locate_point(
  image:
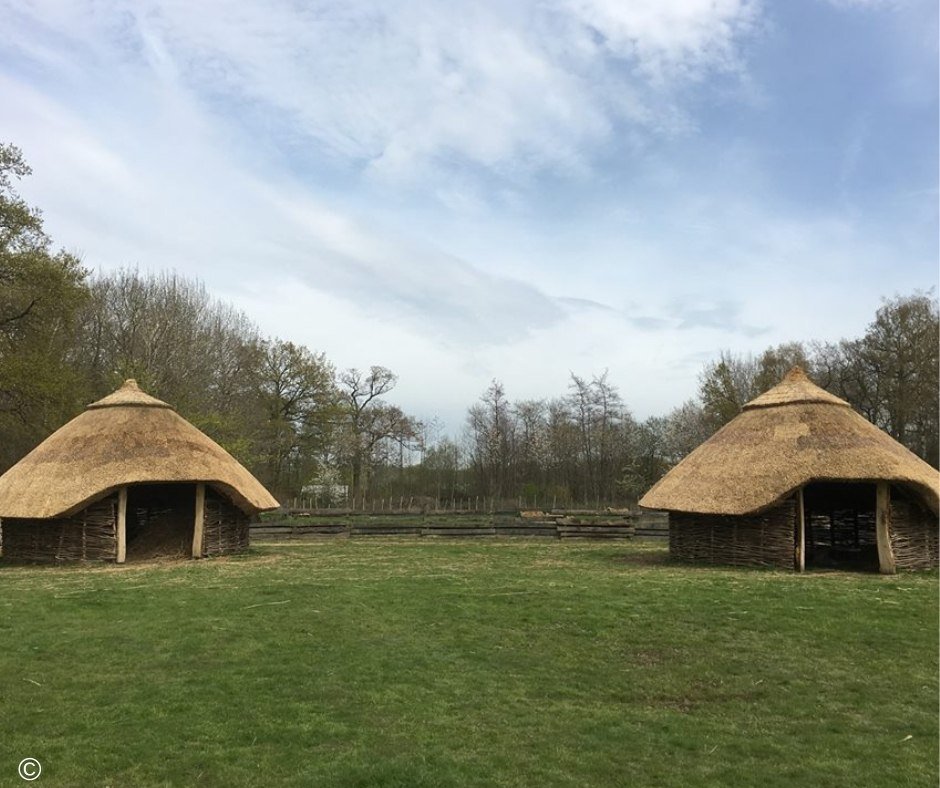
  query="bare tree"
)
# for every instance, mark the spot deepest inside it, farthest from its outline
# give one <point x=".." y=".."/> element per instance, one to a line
<point x="372" y="426"/>
<point x="491" y="435"/>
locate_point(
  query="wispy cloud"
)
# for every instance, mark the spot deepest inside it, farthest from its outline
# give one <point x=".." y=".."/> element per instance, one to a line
<point x="725" y="315"/>
<point x="427" y="288"/>
<point x="415" y="89"/>
<point x="452" y="99"/>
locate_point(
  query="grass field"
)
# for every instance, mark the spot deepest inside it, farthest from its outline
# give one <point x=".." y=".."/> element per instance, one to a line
<point x="439" y="663"/>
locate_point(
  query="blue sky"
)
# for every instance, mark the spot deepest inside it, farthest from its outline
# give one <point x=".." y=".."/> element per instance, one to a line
<point x="462" y="191"/>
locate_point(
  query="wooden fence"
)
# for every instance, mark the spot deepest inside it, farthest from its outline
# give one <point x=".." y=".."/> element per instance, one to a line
<point x="479" y="504"/>
<point x="555" y="525"/>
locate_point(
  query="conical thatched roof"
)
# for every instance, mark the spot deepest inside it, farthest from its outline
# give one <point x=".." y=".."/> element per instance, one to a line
<point x="128" y="437"/>
<point x="793" y="434"/>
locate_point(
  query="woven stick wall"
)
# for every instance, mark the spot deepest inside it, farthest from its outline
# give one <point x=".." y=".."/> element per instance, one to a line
<point x="765" y="539"/>
<point x="225" y="527"/>
<point x="914" y="536"/>
<point x="89" y="535"/>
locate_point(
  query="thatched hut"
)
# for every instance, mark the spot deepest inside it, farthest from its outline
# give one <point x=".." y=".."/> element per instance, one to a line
<point x="800" y="479"/>
<point x="129" y="477"/>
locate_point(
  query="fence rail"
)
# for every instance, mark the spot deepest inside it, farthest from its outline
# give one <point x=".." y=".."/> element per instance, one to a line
<point x="404" y="505"/>
<point x="549" y="525"/>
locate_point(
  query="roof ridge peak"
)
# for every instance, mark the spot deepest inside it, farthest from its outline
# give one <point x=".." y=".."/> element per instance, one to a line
<point x="129" y="395"/>
<point x="795" y="388"/>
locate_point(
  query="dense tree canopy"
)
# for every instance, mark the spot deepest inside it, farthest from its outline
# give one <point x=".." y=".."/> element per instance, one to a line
<point x="41" y="293"/>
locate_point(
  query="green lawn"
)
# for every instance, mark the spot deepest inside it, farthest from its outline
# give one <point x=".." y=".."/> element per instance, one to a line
<point x="436" y="662"/>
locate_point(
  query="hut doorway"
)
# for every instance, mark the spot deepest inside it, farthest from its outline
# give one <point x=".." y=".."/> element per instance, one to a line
<point x="161" y="519"/>
<point x="840" y="526"/>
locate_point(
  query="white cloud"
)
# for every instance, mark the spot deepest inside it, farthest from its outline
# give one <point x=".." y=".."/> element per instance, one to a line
<point x="673" y="39"/>
<point x="411" y="90"/>
<point x="411" y="93"/>
<point x="184" y="207"/>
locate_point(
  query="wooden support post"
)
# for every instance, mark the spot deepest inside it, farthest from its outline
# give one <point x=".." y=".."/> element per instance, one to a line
<point x="122" y="525"/>
<point x="800" y="556"/>
<point x="199" y="520"/>
<point x="886" y="564"/>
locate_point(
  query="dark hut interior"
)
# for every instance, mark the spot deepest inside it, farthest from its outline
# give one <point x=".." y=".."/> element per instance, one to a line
<point x="160" y="520"/>
<point x="840" y="525"/>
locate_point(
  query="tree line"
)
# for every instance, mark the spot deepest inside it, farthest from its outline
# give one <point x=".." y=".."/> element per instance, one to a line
<point x="586" y="445"/>
<point x="68" y="337"/>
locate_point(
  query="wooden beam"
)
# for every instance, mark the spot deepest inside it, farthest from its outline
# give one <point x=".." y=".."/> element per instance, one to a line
<point x="800" y="556"/>
<point x="886" y="563"/>
<point x="122" y="525"/>
<point x="199" y="521"/>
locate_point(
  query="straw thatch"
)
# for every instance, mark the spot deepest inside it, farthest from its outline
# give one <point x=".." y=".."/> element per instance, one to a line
<point x="794" y="434"/>
<point x="126" y="438"/>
